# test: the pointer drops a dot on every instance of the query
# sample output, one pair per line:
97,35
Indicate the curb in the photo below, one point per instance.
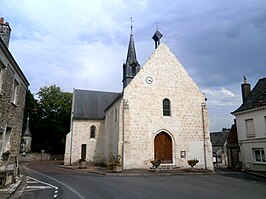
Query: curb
8,192
255,174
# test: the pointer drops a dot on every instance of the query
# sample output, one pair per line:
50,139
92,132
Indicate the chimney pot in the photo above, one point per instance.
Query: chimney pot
5,31
246,89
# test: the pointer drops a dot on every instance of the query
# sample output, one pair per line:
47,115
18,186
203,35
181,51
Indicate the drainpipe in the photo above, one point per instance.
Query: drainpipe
203,108
123,133
125,106
71,128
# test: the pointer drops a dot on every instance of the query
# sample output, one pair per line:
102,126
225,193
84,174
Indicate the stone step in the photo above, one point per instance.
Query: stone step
165,167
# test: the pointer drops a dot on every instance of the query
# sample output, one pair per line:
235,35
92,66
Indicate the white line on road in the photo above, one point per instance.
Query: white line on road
39,187
55,187
63,184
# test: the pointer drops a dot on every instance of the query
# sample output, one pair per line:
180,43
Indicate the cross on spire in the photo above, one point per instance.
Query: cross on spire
131,21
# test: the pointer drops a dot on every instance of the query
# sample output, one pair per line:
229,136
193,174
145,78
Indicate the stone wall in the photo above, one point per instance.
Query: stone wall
11,109
112,138
81,135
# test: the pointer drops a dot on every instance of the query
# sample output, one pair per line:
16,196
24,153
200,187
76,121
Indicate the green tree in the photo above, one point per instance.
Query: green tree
50,119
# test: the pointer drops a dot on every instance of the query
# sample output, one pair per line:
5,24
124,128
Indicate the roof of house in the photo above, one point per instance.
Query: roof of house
92,104
13,62
256,98
219,138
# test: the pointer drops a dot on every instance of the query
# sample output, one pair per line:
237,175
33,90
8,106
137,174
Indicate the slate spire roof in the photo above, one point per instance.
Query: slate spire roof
132,66
256,98
131,53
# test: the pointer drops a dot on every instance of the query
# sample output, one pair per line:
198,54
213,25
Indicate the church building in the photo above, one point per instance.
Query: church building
161,114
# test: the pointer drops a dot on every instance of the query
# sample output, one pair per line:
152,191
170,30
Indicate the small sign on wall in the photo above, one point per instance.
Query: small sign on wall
183,154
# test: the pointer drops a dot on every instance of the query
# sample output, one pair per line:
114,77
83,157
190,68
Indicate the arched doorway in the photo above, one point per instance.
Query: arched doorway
163,148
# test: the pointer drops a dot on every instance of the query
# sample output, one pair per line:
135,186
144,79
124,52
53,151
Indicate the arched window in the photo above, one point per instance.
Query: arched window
166,107
93,131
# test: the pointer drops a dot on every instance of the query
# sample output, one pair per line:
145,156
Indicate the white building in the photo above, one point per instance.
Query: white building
251,126
161,114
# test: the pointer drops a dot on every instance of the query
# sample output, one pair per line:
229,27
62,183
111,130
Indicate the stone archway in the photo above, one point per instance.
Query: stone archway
163,147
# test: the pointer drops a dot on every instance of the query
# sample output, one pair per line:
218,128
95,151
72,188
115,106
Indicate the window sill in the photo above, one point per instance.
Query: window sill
250,136
13,103
259,163
167,117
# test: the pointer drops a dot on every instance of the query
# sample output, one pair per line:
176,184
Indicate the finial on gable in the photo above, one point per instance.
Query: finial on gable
245,79
157,35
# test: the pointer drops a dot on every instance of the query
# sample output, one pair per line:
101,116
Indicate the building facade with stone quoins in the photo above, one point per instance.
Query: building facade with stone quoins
160,114
13,87
251,126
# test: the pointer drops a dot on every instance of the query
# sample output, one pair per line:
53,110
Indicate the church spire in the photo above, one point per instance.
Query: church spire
131,67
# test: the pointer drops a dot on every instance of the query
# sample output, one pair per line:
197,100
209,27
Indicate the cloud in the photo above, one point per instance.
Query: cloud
83,44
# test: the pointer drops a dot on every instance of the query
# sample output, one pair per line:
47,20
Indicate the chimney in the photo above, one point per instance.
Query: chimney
245,87
5,31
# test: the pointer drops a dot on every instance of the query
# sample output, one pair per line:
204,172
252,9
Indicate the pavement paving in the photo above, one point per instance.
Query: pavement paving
15,190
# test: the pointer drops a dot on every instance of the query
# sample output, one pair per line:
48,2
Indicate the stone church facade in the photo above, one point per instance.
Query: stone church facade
161,114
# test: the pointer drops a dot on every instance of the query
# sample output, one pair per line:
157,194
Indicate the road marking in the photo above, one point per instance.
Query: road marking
55,187
63,184
39,187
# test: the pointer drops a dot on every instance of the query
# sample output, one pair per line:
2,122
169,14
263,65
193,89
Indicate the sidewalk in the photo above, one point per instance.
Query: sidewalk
257,173
6,192
138,172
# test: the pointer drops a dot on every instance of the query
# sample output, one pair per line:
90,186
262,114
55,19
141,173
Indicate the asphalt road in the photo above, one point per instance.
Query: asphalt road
47,181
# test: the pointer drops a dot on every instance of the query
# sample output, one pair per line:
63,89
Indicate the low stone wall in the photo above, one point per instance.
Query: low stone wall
34,156
40,156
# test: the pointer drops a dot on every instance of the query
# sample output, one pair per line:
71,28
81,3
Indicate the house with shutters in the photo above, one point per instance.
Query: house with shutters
251,125
160,114
13,87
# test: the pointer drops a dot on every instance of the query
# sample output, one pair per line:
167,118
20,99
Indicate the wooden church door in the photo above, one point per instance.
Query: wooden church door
163,148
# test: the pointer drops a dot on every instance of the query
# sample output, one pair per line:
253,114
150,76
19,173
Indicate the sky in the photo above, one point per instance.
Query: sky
83,43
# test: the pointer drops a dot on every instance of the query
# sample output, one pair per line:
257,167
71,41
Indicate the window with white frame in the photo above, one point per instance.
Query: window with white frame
5,144
259,155
2,70
15,91
1,141
265,125
250,128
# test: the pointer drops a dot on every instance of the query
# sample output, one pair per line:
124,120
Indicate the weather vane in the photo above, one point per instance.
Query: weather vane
157,24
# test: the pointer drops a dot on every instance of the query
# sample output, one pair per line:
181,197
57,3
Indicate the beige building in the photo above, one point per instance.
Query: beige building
251,125
161,114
